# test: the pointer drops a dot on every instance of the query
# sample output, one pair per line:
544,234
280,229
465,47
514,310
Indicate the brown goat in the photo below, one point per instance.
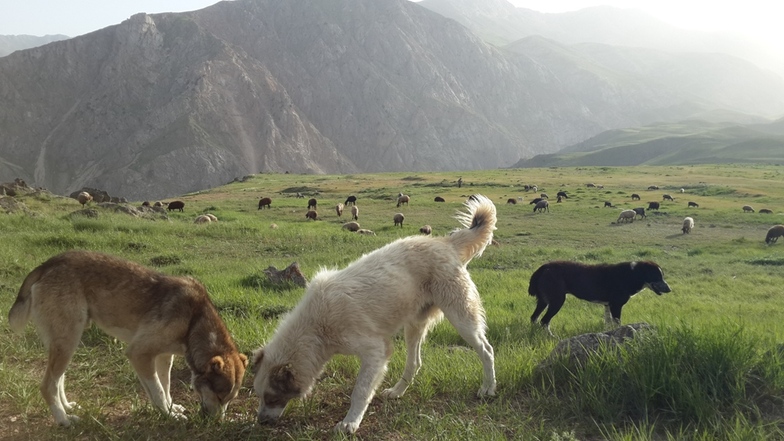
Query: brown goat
311,214
427,230
398,218
265,202
84,198
312,202
403,199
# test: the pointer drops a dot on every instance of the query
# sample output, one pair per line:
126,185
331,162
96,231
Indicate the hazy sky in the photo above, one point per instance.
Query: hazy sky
757,18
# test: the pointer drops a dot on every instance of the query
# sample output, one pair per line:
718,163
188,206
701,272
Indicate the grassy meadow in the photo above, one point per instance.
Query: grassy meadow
713,371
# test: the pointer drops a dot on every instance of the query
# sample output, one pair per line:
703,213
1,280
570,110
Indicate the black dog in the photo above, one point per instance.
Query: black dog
610,285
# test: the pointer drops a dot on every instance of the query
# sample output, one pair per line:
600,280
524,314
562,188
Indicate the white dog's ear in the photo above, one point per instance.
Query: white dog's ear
257,356
283,378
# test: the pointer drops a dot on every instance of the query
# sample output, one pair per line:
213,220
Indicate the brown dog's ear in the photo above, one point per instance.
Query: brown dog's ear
216,364
257,356
282,376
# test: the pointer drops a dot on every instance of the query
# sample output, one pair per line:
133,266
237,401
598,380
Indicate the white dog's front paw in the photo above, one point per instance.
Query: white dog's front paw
176,408
486,391
70,405
392,392
66,422
347,426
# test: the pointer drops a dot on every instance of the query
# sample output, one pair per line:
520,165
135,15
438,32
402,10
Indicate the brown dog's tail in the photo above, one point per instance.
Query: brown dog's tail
19,314
479,223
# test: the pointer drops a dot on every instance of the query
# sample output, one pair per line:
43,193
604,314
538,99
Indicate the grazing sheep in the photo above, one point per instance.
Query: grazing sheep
339,209
653,187
402,199
512,201
366,232
84,198
146,204
351,200
683,190
398,218
773,234
562,194
439,199
351,226
265,202
590,185
212,217
693,204
640,212
626,216
608,204
542,206
765,211
176,205
688,224
600,186
354,212
653,205
635,197
558,199
535,201
312,214
312,202
534,188
426,229
544,196
747,209
158,204
202,219
666,197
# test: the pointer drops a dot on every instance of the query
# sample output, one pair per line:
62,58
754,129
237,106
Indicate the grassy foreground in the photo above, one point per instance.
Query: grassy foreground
714,369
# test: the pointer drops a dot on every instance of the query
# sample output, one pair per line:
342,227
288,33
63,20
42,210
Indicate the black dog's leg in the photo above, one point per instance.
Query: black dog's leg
556,302
615,311
540,305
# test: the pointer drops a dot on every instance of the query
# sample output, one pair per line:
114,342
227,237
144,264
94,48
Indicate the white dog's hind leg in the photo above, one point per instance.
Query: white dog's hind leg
163,365
471,326
373,355
67,405
415,336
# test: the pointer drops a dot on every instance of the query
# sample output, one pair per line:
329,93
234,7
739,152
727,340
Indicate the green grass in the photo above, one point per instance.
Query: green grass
713,370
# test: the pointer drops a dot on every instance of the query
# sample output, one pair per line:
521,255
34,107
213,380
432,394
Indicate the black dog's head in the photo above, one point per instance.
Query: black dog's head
652,276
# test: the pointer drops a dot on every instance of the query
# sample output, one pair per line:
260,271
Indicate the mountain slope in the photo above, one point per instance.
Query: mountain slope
11,43
688,142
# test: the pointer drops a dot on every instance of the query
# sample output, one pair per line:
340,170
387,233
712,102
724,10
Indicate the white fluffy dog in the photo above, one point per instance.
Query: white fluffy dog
406,284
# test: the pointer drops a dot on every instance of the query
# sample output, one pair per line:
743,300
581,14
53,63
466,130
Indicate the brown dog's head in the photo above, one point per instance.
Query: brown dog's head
219,382
276,384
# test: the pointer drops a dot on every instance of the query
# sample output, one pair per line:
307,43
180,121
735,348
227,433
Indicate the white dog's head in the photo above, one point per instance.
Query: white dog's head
275,384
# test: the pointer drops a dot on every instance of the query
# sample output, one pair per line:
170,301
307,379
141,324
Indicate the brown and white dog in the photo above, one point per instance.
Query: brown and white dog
611,285
410,283
159,316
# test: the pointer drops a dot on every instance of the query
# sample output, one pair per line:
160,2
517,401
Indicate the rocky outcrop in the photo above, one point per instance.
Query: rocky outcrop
579,348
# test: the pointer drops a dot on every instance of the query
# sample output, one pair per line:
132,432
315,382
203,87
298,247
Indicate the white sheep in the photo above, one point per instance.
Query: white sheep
403,199
202,219
354,212
366,232
688,224
748,208
212,217
84,197
339,209
351,226
626,216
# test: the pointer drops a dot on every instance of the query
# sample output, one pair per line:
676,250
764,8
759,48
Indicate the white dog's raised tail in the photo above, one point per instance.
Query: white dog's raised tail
479,223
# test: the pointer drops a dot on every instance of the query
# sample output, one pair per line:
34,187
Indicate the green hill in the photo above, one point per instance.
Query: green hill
685,142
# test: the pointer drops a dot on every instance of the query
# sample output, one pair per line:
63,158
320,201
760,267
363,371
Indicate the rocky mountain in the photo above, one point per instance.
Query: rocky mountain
11,43
501,23
166,104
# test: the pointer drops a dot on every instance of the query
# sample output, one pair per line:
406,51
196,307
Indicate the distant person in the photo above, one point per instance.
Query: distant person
459,182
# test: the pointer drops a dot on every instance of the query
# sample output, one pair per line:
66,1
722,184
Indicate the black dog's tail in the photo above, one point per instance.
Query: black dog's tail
533,284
